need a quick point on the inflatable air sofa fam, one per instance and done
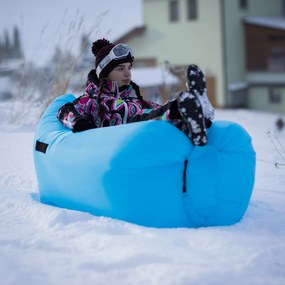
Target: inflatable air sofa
(147, 173)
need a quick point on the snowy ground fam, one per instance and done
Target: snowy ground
(40, 244)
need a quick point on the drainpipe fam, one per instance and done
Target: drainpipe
(224, 52)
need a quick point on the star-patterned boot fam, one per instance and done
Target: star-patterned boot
(192, 115)
(196, 85)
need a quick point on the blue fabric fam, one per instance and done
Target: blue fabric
(134, 172)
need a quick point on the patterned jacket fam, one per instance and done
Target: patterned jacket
(104, 106)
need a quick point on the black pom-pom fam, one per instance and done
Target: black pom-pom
(97, 45)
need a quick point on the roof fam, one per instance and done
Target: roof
(268, 22)
(237, 86)
(9, 65)
(153, 76)
(134, 32)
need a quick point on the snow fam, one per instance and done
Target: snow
(237, 86)
(5, 83)
(41, 244)
(10, 65)
(269, 22)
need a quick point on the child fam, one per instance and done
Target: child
(112, 98)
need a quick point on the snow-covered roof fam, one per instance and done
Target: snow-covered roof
(153, 76)
(269, 22)
(11, 64)
(237, 86)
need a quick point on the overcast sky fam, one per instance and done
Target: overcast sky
(45, 24)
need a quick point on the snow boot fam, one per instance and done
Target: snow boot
(196, 85)
(192, 114)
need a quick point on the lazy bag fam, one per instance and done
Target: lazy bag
(146, 173)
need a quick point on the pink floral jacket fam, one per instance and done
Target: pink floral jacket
(103, 106)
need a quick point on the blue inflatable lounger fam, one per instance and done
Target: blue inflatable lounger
(147, 173)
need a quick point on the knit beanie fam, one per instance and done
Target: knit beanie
(102, 48)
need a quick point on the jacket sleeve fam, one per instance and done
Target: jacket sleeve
(155, 112)
(153, 105)
(71, 118)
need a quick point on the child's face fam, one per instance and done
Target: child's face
(122, 74)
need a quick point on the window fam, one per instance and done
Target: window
(192, 9)
(276, 59)
(283, 7)
(243, 4)
(276, 38)
(276, 52)
(173, 11)
(274, 95)
(265, 49)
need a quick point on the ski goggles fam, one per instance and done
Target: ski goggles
(119, 51)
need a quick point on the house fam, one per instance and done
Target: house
(156, 83)
(265, 63)
(239, 44)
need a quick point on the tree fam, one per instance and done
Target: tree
(17, 48)
(5, 46)
(10, 46)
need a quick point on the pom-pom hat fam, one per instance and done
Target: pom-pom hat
(108, 56)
